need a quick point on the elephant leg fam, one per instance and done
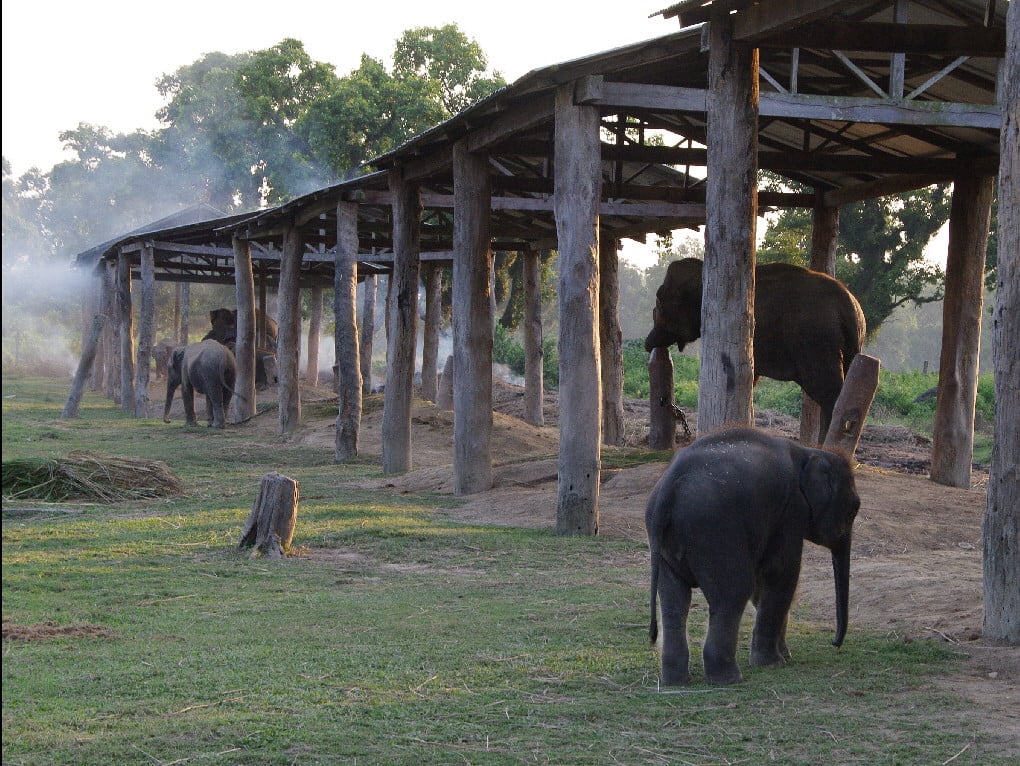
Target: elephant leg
(675, 603)
(768, 641)
(188, 397)
(210, 411)
(725, 610)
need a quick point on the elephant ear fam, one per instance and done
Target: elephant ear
(176, 356)
(682, 283)
(819, 486)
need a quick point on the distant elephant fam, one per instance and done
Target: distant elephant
(730, 516)
(161, 356)
(206, 367)
(807, 326)
(224, 327)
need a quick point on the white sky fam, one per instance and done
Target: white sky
(98, 62)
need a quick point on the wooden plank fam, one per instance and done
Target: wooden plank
(578, 181)
(472, 323)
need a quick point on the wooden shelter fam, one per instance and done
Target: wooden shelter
(855, 99)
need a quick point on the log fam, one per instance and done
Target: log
(269, 528)
(81, 375)
(662, 413)
(853, 404)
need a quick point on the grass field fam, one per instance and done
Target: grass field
(137, 632)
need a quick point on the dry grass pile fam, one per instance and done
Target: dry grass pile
(86, 475)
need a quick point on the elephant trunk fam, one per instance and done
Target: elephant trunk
(170, 389)
(841, 573)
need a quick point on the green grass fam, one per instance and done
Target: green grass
(394, 635)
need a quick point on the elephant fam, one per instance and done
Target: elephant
(207, 367)
(808, 326)
(161, 356)
(730, 516)
(224, 326)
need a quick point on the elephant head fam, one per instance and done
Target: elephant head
(826, 481)
(223, 327)
(677, 313)
(173, 379)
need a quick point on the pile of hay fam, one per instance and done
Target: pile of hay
(86, 475)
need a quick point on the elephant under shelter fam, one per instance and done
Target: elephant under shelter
(564, 159)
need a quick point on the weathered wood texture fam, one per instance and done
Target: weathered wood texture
(184, 316)
(727, 313)
(534, 373)
(472, 323)
(661, 412)
(1001, 526)
(346, 341)
(370, 288)
(314, 330)
(127, 352)
(576, 200)
(851, 408)
(94, 307)
(146, 332)
(81, 375)
(824, 238)
(111, 335)
(269, 528)
(432, 279)
(288, 352)
(243, 402)
(444, 396)
(403, 325)
(953, 430)
(611, 342)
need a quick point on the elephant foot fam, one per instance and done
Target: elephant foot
(675, 677)
(192, 424)
(722, 671)
(764, 659)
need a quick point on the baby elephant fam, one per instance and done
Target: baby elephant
(730, 516)
(207, 367)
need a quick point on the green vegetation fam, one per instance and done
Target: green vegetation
(136, 632)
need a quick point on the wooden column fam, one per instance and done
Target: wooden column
(370, 287)
(824, 238)
(345, 315)
(611, 342)
(261, 339)
(127, 352)
(472, 323)
(314, 330)
(578, 180)
(661, 400)
(432, 278)
(111, 340)
(81, 374)
(534, 372)
(146, 331)
(94, 301)
(1001, 527)
(288, 351)
(185, 315)
(952, 448)
(727, 308)
(403, 324)
(244, 402)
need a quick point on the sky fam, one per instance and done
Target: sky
(70, 62)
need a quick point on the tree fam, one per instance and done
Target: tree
(880, 255)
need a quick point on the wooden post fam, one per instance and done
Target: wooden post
(261, 330)
(403, 325)
(952, 448)
(111, 341)
(270, 525)
(288, 353)
(81, 375)
(611, 342)
(472, 323)
(432, 277)
(370, 288)
(243, 405)
(146, 332)
(824, 238)
(97, 374)
(444, 397)
(852, 406)
(345, 316)
(185, 326)
(1001, 526)
(534, 384)
(725, 386)
(314, 330)
(661, 412)
(127, 352)
(578, 184)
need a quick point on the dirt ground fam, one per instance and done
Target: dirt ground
(916, 570)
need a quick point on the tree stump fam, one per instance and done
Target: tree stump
(270, 525)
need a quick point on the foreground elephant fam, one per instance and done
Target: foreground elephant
(224, 326)
(730, 516)
(208, 368)
(807, 326)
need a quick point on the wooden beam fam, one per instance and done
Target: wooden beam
(891, 37)
(761, 21)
